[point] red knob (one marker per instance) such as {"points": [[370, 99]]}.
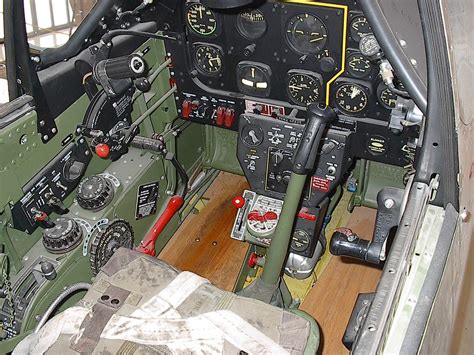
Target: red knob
{"points": [[238, 202], [253, 260], [102, 150]]}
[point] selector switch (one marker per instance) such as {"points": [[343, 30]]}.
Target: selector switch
{"points": [[95, 193], [63, 237]]}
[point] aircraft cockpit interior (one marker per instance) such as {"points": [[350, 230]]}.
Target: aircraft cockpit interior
{"points": [[225, 177]]}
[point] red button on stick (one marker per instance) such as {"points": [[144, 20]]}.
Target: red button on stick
{"points": [[102, 150], [238, 202]]}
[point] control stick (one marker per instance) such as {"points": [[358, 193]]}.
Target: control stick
{"points": [[318, 117]]}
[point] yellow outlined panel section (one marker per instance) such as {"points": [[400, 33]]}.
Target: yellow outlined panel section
{"points": [[345, 9]]}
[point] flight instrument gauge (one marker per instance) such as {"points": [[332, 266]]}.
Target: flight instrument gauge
{"points": [[306, 34], [254, 78], [251, 24], [251, 135], [208, 59], [201, 20], [303, 87], [360, 28], [352, 98], [386, 97], [359, 66]]}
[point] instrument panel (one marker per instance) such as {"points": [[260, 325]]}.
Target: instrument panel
{"points": [[277, 57]]}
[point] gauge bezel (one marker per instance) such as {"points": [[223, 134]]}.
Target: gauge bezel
{"points": [[380, 90], [315, 76], [244, 32], [193, 31], [261, 66], [350, 71], [366, 89], [355, 36], [196, 47], [288, 33], [257, 127]]}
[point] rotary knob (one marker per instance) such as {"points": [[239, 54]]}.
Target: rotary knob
{"points": [[63, 237], [95, 193]]}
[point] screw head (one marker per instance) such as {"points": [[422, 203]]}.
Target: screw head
{"points": [[389, 203]]}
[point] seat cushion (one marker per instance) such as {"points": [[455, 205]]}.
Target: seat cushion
{"points": [[139, 304]]}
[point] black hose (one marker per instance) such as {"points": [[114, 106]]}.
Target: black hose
{"points": [[107, 37], [395, 54], [75, 43]]}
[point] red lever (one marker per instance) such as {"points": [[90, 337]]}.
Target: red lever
{"points": [[304, 214], [238, 202], [102, 150], [253, 259], [256, 216], [147, 245]]}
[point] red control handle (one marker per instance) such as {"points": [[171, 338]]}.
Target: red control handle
{"points": [[238, 202], [102, 150], [147, 246]]}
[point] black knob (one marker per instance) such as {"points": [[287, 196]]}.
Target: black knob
{"points": [[328, 64], [48, 270], [63, 237], [73, 170], [248, 51], [94, 193]]}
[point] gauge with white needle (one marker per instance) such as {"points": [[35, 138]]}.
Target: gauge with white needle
{"points": [[306, 34], [208, 59], [303, 87], [352, 98]]}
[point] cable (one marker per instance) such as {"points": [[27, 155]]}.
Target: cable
{"points": [[66, 293], [106, 38]]}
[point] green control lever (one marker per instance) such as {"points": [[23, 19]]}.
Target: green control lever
{"points": [[318, 117]]}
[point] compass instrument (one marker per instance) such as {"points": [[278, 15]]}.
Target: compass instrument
{"points": [[306, 34], [304, 87], [208, 59], [201, 20], [251, 24], [352, 98]]}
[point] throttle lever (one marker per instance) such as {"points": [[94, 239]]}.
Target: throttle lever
{"points": [[318, 117]]}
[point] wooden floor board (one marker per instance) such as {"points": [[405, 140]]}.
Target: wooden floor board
{"points": [[332, 298], [202, 244]]}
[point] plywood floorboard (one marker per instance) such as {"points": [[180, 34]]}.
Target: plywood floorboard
{"points": [[332, 298], [202, 244]]}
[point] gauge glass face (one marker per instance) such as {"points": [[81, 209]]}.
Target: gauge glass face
{"points": [[251, 24], [306, 34], [303, 89], [360, 28], [251, 135], [351, 98], [387, 98], [208, 59], [201, 20], [300, 240], [254, 78], [359, 66]]}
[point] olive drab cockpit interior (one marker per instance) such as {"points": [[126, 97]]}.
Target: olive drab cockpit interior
{"points": [[223, 176]]}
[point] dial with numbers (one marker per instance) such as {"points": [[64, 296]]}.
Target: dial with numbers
{"points": [[306, 34], [303, 88], [360, 27], [359, 66], [386, 97], [201, 20], [352, 98], [208, 59]]}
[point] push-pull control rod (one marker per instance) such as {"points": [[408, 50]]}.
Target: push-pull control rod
{"points": [[318, 117]]}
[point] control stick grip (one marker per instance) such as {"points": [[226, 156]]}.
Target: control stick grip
{"points": [[318, 117]]}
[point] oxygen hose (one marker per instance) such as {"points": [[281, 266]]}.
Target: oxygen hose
{"points": [[66, 293]]}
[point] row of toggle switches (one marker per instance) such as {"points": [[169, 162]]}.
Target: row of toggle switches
{"points": [[223, 116]]}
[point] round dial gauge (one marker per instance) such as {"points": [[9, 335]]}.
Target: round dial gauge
{"points": [[208, 59], [254, 78], [352, 98], [360, 28], [201, 20], [306, 34], [387, 98], [251, 135], [251, 24], [359, 66], [303, 89]]}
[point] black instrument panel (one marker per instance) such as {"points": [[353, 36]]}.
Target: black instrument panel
{"points": [[276, 57]]}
